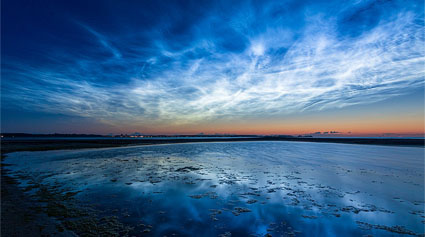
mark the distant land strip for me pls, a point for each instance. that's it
(41, 144)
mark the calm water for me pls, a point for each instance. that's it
(244, 188)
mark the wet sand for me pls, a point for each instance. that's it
(21, 213)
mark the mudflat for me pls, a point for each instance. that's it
(262, 177)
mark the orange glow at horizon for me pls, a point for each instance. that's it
(350, 127)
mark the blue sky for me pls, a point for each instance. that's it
(196, 66)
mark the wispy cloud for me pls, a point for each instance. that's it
(273, 71)
(102, 40)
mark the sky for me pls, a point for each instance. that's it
(228, 67)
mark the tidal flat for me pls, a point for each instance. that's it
(257, 188)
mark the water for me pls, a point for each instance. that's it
(244, 188)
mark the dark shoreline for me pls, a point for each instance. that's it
(18, 144)
(19, 219)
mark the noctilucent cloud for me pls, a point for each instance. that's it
(212, 66)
